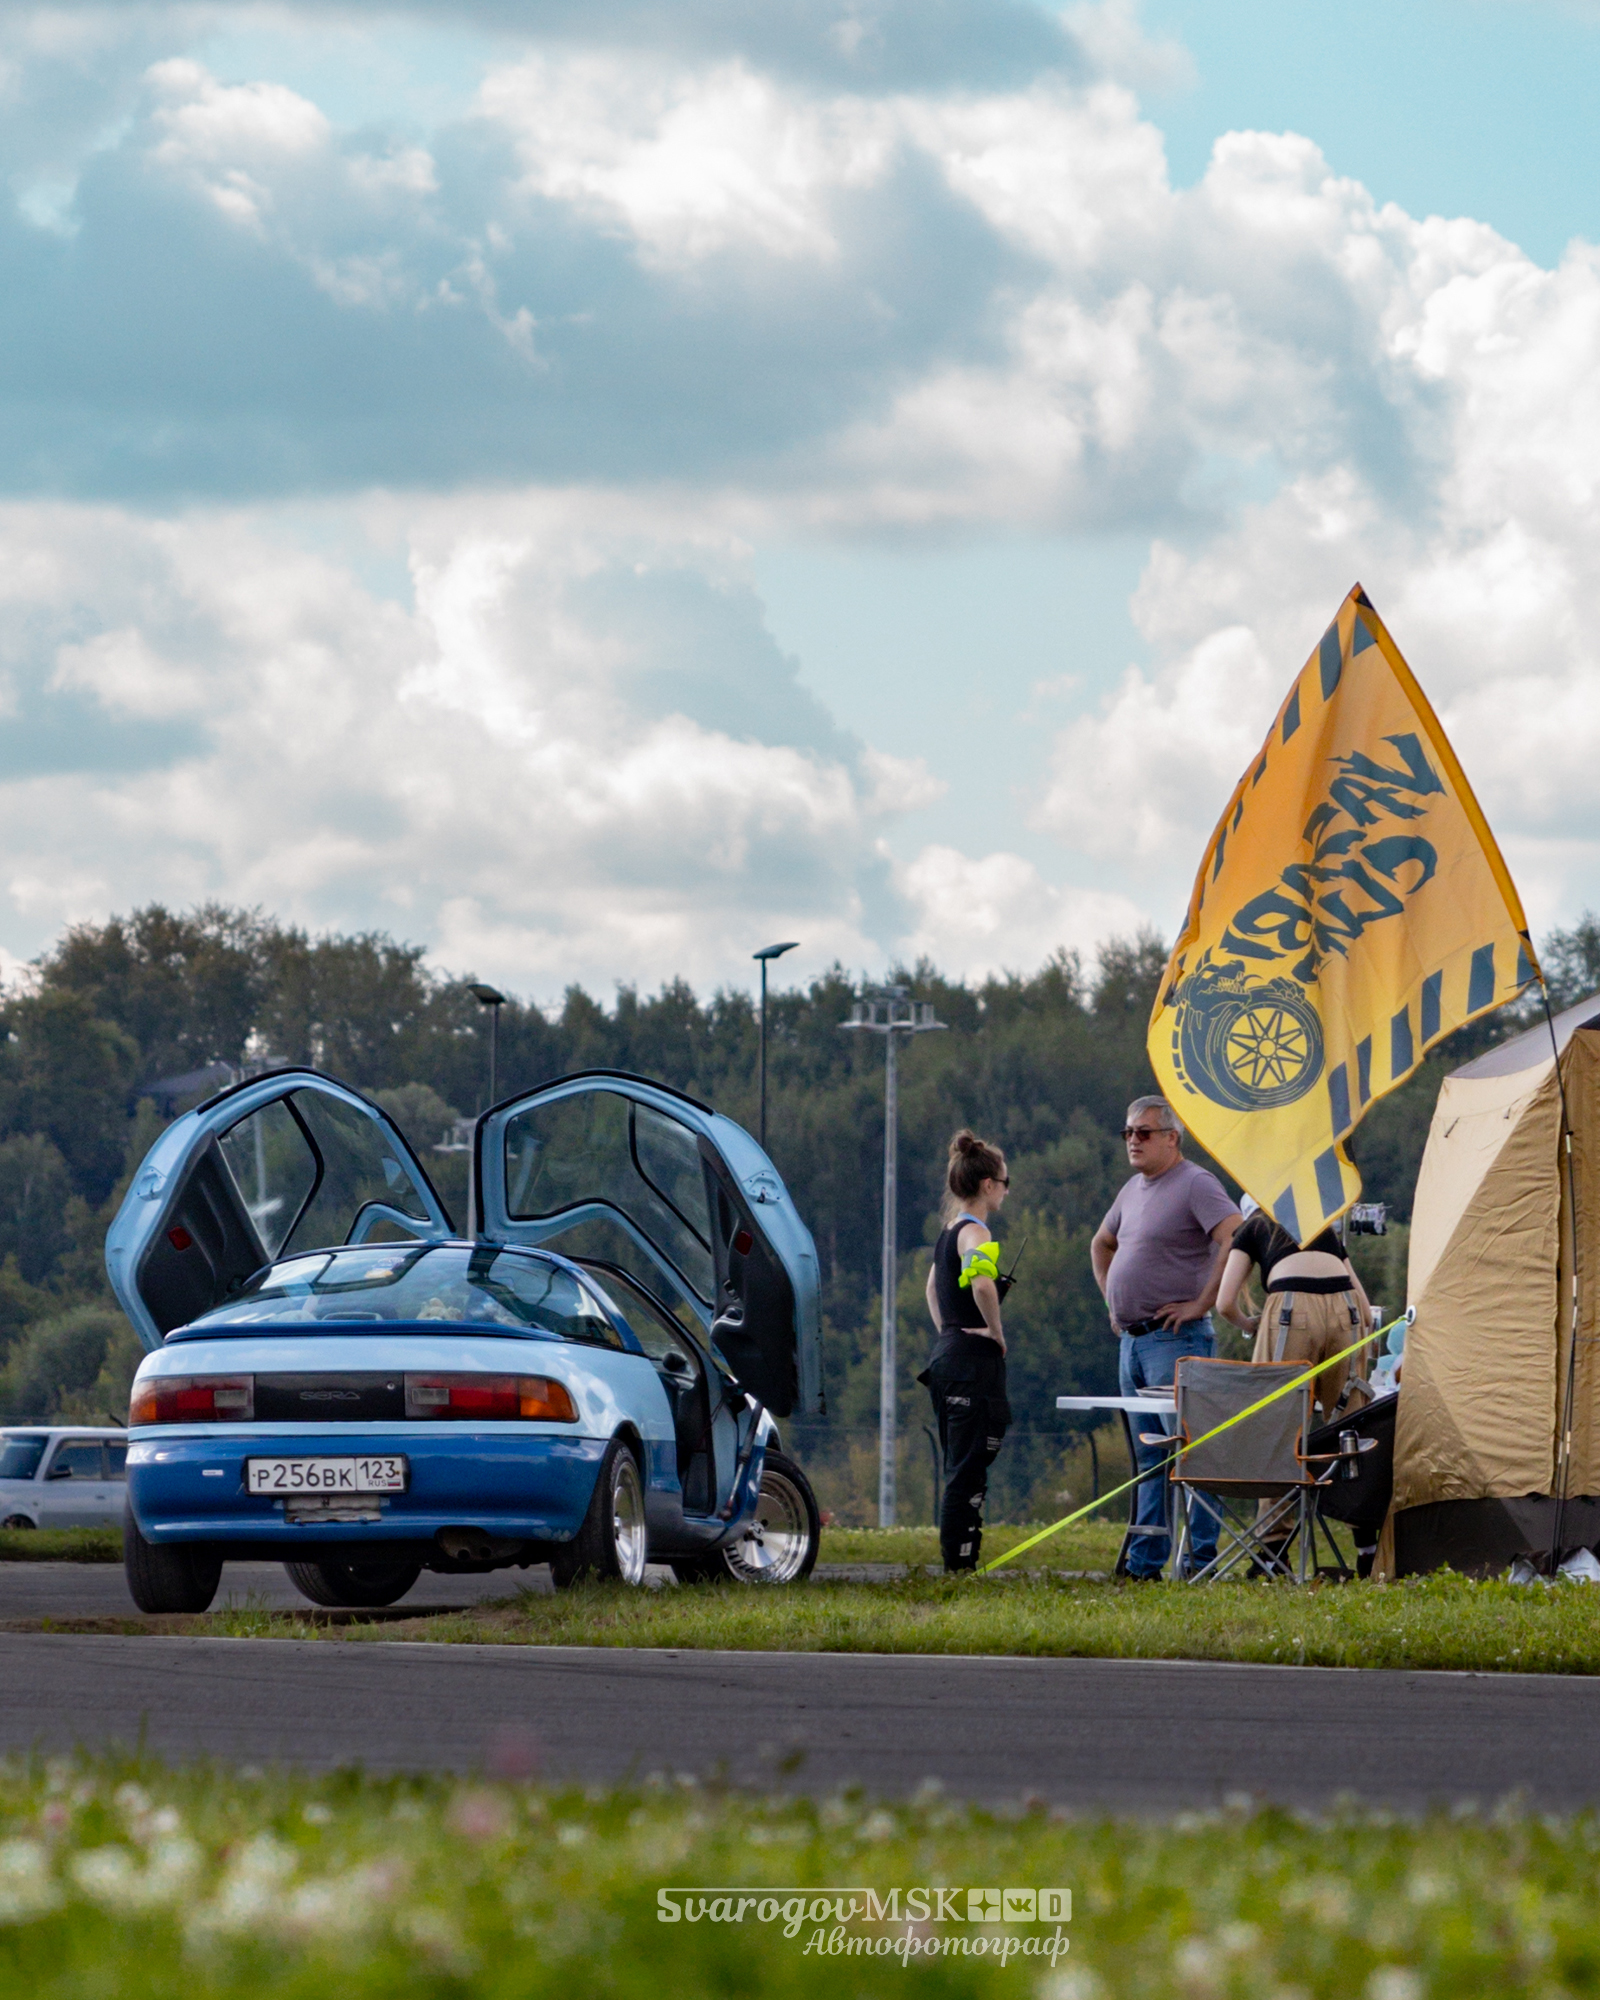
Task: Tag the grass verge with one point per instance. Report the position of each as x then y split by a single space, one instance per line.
1429 1622
61 1545
1092 1545
132 1878
1089 1545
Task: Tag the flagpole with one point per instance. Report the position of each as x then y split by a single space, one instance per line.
1570 1387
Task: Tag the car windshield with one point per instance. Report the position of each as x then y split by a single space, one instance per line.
478 1286
20 1456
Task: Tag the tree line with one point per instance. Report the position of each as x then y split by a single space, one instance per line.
129 1021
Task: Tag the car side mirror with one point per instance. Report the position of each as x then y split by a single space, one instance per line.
59 1472
676 1363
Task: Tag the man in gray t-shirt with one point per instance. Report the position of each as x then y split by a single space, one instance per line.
1158 1259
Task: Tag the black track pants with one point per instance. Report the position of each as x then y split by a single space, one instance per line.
970 1407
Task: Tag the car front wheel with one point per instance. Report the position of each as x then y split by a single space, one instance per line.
18 1521
612 1541
327 1581
178 1578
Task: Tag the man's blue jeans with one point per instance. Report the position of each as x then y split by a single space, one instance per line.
1147 1362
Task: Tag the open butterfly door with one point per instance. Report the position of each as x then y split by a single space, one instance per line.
611 1167
279 1164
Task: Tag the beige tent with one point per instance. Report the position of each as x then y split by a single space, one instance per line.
1491 1284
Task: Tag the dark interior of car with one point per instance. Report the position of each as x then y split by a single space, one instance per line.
683 1375
206 1249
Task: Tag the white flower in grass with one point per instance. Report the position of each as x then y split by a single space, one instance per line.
435 1937
1326 1898
341 1905
480 1815
1394 1982
131 1800
317 1814
27 1887
1199 1965
1072 1982
250 1888
112 1877
878 1826
321 1906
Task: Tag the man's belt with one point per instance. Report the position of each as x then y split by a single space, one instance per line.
1136 1327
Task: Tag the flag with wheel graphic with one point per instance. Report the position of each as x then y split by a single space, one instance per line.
1351 910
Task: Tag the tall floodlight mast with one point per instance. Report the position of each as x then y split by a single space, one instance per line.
492 998
764 958
892 1013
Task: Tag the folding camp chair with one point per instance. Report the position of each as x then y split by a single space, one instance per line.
1258 1475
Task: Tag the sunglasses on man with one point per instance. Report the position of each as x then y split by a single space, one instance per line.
1142 1132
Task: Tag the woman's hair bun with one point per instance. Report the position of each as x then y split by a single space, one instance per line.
972 1162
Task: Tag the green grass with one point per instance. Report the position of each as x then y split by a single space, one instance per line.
1090 1545
133 1879
1435 1622
1429 1622
72 1545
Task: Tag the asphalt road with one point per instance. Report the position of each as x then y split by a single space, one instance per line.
1140 1736
100 1590
1097 1734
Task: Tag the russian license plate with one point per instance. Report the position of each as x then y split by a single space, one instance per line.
283 1476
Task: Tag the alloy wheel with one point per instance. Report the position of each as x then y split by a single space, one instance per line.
774 1546
628 1533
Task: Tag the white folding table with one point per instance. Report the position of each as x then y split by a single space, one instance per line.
1128 1407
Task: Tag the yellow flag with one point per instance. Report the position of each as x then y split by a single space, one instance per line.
1351 909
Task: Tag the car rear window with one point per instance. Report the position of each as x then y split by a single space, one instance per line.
507 1290
20 1456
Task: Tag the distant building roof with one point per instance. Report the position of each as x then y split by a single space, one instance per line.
169 1091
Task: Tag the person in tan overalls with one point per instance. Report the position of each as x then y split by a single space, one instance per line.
1314 1301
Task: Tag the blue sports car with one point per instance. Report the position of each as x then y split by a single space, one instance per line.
338 1379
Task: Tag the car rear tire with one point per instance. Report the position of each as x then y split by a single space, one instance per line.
18 1521
178 1578
334 1582
779 1545
613 1541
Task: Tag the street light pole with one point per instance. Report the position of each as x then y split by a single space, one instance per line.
494 1000
763 957
891 1013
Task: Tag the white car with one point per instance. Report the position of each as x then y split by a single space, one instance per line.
63 1476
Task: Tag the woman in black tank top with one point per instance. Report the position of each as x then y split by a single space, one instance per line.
966 1372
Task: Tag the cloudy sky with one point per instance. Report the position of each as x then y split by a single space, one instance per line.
594 489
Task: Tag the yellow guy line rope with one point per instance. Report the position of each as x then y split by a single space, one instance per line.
1287 1389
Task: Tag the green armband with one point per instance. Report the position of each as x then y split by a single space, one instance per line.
984 1262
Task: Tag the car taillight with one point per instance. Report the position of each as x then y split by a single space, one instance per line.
193 1399
492 1397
